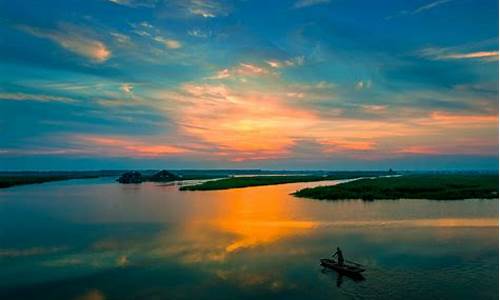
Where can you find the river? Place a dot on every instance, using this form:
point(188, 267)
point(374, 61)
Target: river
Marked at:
point(96, 239)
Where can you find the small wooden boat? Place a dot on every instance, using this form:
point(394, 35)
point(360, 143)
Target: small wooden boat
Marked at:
point(348, 268)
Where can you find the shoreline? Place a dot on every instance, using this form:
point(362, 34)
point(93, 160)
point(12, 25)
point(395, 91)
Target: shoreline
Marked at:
point(448, 187)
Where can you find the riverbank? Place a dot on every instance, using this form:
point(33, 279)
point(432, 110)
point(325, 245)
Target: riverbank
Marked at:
point(10, 179)
point(421, 186)
point(250, 181)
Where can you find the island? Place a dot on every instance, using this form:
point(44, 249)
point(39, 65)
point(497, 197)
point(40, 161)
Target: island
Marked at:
point(137, 177)
point(15, 178)
point(10, 179)
point(131, 177)
point(260, 180)
point(412, 186)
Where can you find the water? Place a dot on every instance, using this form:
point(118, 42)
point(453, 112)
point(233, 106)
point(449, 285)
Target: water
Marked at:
point(95, 239)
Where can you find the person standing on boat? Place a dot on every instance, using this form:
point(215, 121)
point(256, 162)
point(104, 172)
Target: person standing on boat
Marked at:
point(340, 256)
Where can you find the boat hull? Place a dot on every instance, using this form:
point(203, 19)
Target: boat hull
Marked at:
point(348, 269)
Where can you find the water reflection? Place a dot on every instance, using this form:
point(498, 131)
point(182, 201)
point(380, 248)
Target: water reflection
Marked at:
point(148, 241)
point(339, 278)
point(256, 218)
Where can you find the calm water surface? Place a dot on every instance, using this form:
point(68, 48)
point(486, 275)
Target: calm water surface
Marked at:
point(94, 239)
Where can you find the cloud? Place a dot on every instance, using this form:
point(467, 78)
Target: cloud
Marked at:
point(43, 151)
point(268, 67)
point(198, 33)
point(127, 88)
point(207, 8)
point(418, 150)
point(419, 9)
point(307, 3)
point(242, 124)
point(127, 147)
point(153, 33)
point(35, 97)
point(73, 40)
point(195, 8)
point(449, 119)
point(169, 43)
point(374, 108)
point(453, 54)
point(429, 6)
point(250, 70)
point(222, 74)
point(136, 3)
point(245, 124)
point(487, 55)
point(339, 145)
point(274, 63)
point(363, 84)
point(294, 61)
point(121, 38)
point(463, 146)
point(241, 71)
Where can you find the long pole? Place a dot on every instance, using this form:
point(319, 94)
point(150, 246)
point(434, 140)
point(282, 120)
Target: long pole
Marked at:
point(354, 263)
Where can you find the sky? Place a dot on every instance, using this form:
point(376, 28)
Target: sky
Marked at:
point(289, 84)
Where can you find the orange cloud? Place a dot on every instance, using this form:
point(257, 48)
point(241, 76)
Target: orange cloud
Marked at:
point(118, 146)
point(241, 124)
point(244, 70)
point(418, 150)
point(452, 146)
point(479, 54)
point(244, 121)
point(444, 118)
point(294, 61)
point(274, 63)
point(250, 70)
point(342, 145)
point(374, 108)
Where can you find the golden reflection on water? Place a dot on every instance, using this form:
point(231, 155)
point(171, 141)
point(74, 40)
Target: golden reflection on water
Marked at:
point(256, 218)
point(251, 217)
point(252, 233)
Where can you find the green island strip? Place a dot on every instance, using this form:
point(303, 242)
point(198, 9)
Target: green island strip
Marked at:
point(9, 181)
point(250, 181)
point(421, 186)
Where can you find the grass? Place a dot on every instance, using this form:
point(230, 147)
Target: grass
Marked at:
point(421, 186)
point(9, 181)
point(248, 181)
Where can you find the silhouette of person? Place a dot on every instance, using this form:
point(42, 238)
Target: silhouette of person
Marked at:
point(340, 256)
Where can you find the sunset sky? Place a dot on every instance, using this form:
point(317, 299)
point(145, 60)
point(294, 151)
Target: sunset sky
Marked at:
point(292, 84)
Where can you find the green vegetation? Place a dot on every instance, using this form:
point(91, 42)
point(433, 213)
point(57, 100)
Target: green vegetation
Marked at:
point(421, 186)
point(13, 178)
point(248, 181)
point(8, 181)
point(135, 177)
